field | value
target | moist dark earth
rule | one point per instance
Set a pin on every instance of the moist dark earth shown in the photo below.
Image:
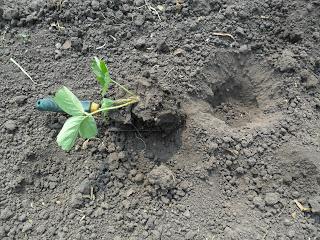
(224, 143)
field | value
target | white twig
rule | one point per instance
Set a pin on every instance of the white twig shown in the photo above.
(114, 39)
(97, 48)
(224, 35)
(24, 71)
(152, 9)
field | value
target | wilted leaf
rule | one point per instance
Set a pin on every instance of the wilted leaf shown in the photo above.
(69, 132)
(88, 127)
(68, 102)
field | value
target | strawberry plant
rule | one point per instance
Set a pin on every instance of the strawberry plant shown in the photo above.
(81, 122)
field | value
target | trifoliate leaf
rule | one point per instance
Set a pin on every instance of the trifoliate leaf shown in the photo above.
(68, 102)
(69, 132)
(88, 127)
(101, 71)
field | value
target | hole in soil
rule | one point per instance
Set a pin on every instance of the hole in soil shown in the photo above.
(157, 145)
(238, 90)
(158, 141)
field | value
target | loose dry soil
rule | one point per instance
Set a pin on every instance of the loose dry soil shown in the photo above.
(225, 138)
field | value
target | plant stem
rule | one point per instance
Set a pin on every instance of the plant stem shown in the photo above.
(124, 88)
(130, 101)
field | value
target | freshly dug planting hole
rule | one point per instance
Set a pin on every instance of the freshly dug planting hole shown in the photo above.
(238, 89)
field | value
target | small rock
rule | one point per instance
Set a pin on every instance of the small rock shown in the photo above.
(139, 3)
(26, 227)
(139, 21)
(308, 79)
(162, 176)
(58, 54)
(113, 161)
(110, 229)
(35, 5)
(98, 212)
(310, 7)
(66, 45)
(240, 31)
(22, 218)
(10, 125)
(187, 214)
(76, 43)
(163, 47)
(258, 202)
(316, 35)
(85, 187)
(31, 17)
(10, 13)
(20, 100)
(291, 233)
(286, 62)
(138, 178)
(140, 43)
(179, 52)
(229, 11)
(165, 200)
(156, 235)
(287, 179)
(191, 234)
(2, 232)
(6, 214)
(272, 198)
(126, 204)
(202, 7)
(287, 222)
(244, 49)
(95, 5)
(295, 194)
(315, 204)
(240, 170)
(76, 201)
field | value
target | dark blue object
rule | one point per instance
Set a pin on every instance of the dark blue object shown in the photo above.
(48, 104)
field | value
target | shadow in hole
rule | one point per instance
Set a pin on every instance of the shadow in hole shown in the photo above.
(158, 145)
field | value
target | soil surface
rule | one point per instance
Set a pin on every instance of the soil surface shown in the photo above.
(224, 143)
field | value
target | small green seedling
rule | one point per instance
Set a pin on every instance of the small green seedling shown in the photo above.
(83, 123)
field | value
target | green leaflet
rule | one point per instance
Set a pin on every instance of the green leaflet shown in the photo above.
(69, 132)
(88, 127)
(101, 71)
(68, 102)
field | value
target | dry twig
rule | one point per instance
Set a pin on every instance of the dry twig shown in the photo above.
(24, 71)
(224, 35)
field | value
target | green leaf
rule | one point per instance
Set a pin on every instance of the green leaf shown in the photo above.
(69, 132)
(88, 127)
(68, 102)
(101, 71)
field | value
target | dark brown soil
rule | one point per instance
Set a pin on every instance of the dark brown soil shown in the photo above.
(224, 141)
